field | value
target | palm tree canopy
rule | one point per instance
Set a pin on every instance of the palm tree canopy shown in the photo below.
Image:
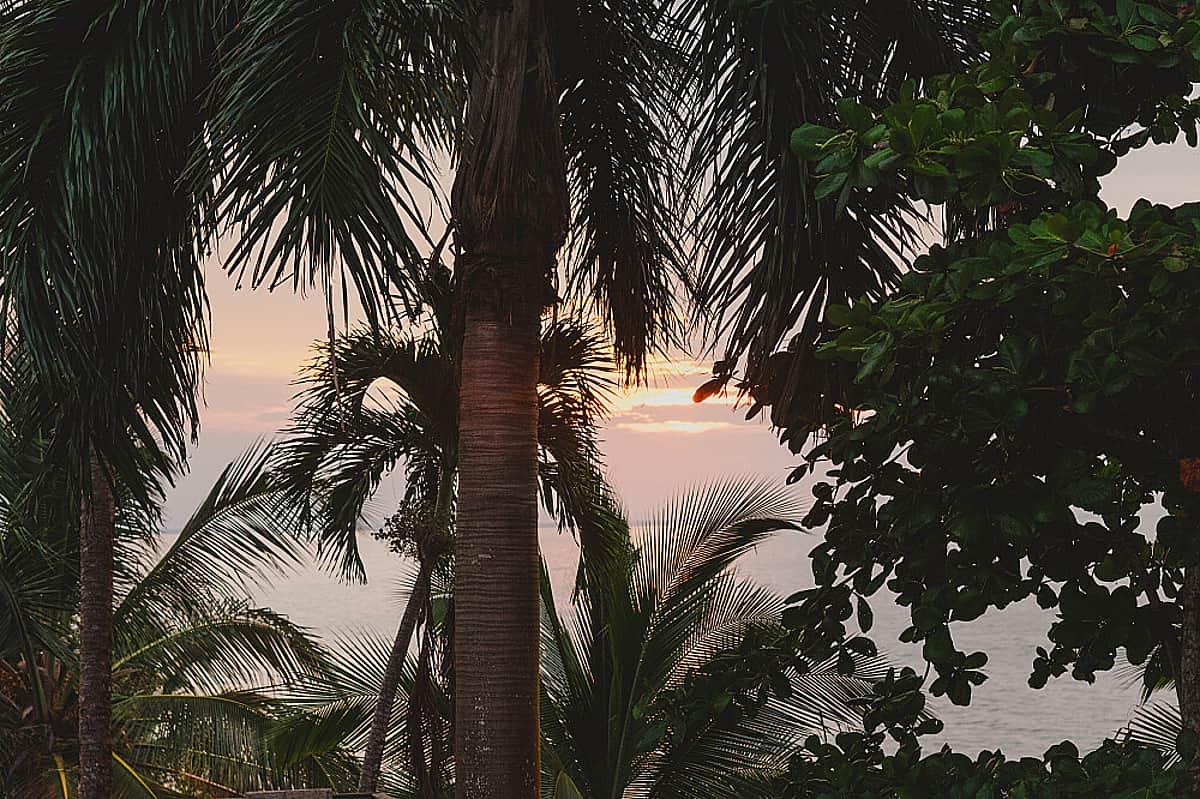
(650, 613)
(99, 255)
(347, 434)
(320, 130)
(771, 257)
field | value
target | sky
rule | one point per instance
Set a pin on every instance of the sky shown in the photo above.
(656, 442)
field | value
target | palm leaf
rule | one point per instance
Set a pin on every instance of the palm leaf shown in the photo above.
(100, 267)
(615, 68)
(771, 256)
(1158, 724)
(316, 119)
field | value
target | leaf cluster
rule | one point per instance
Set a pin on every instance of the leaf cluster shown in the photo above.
(1003, 421)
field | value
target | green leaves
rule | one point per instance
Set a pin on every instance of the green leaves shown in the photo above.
(993, 137)
(809, 140)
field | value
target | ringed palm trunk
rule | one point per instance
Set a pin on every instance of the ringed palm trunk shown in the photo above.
(429, 552)
(98, 517)
(510, 210)
(496, 560)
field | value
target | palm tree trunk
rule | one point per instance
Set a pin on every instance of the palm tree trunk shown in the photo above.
(98, 517)
(368, 780)
(510, 207)
(1188, 684)
(428, 553)
(496, 560)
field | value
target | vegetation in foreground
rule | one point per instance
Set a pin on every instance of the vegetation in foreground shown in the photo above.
(997, 421)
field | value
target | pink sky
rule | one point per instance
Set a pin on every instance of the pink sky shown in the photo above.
(656, 441)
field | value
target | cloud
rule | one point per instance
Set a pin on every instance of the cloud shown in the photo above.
(675, 426)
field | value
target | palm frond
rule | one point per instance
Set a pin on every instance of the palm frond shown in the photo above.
(96, 231)
(644, 617)
(615, 69)
(772, 257)
(226, 742)
(228, 645)
(335, 708)
(244, 531)
(699, 533)
(316, 119)
(374, 401)
(1158, 724)
(333, 467)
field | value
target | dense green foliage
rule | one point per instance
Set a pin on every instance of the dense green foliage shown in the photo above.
(1000, 427)
(1022, 375)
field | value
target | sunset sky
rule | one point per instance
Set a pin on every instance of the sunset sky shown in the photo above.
(656, 441)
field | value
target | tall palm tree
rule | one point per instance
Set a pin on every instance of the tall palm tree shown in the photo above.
(574, 116)
(320, 123)
(346, 437)
(100, 268)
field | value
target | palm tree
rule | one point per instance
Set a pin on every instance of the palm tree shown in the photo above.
(189, 652)
(319, 121)
(100, 269)
(647, 618)
(574, 114)
(346, 437)
(642, 618)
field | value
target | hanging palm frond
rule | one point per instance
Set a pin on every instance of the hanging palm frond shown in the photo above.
(772, 257)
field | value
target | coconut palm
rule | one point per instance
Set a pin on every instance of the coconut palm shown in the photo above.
(190, 649)
(348, 434)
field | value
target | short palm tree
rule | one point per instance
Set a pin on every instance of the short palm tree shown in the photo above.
(647, 617)
(643, 616)
(346, 437)
(190, 649)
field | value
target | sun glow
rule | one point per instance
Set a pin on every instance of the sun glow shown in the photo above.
(675, 426)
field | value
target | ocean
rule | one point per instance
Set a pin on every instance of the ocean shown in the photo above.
(1005, 713)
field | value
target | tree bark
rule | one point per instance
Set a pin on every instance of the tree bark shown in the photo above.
(97, 521)
(1188, 684)
(496, 562)
(430, 547)
(368, 781)
(510, 208)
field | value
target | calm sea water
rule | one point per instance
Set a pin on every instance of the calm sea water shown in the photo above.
(1005, 713)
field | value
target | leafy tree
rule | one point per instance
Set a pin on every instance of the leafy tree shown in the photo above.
(1001, 422)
